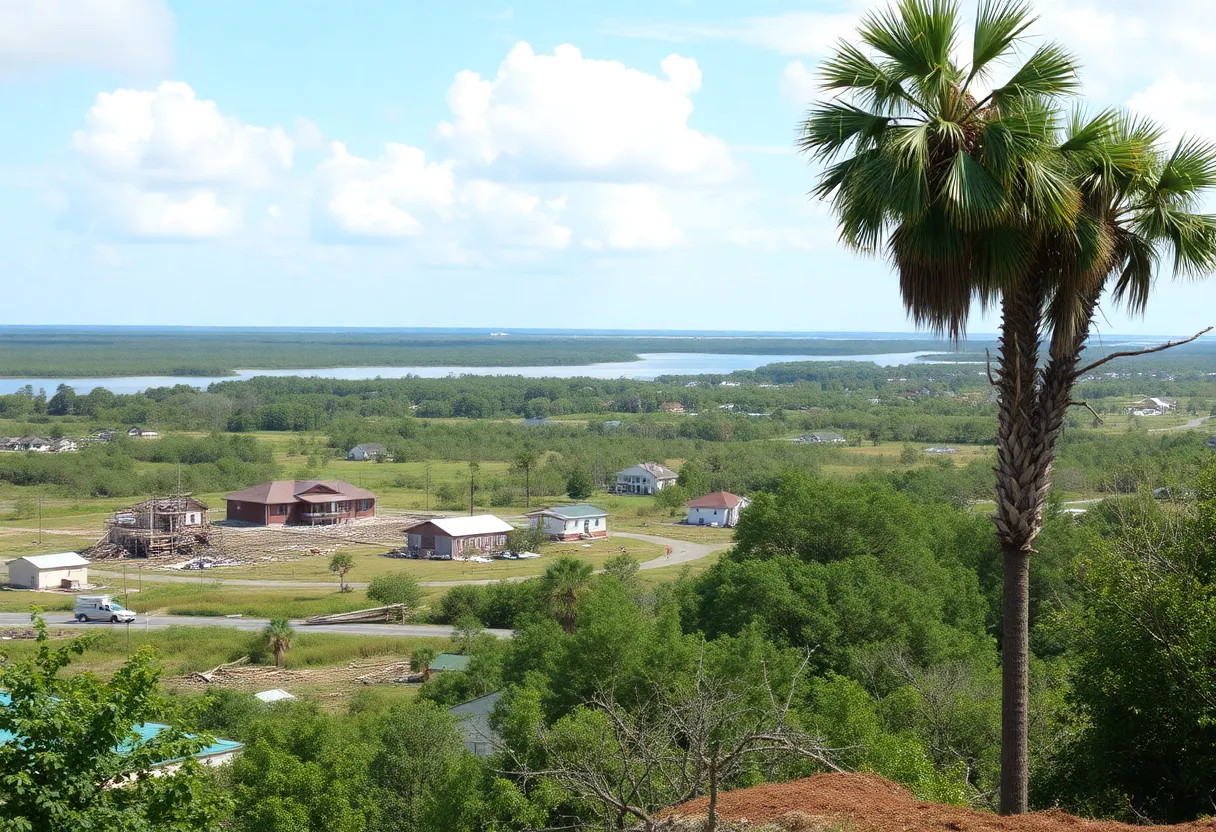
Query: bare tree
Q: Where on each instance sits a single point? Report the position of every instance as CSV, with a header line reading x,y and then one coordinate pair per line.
x,y
681,742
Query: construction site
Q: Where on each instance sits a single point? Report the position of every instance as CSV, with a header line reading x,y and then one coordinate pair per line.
x,y
175,532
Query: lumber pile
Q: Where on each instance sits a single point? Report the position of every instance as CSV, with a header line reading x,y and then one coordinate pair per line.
x,y
209,675
398,673
373,615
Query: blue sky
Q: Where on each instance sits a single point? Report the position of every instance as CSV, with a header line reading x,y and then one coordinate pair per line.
x,y
538,164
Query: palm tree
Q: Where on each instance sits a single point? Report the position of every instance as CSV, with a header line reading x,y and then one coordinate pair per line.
x,y
278,635
992,193
525,460
563,585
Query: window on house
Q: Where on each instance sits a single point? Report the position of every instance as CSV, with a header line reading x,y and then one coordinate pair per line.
x,y
282,509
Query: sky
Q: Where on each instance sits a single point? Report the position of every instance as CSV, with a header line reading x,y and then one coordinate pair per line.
x,y
531,164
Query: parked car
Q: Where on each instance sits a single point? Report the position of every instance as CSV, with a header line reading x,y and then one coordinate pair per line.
x,y
101,608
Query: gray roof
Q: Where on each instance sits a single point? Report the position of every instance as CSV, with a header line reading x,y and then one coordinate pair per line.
x,y
473,722
659,472
374,447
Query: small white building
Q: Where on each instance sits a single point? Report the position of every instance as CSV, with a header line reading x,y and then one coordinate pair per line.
x,y
366,451
136,432
66,570
718,509
273,695
822,437
1151,407
452,537
645,478
570,522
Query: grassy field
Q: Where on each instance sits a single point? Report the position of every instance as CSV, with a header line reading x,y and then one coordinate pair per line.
x,y
319,666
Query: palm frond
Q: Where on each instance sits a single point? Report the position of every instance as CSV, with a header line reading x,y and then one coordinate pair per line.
x,y
1134,282
1050,72
1052,201
918,36
833,127
1190,169
851,70
972,197
997,25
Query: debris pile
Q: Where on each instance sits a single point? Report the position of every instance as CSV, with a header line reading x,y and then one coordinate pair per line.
x,y
375,615
869,803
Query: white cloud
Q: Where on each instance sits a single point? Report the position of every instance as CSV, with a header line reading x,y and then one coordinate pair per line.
x,y
392,196
37,35
780,238
564,117
798,83
165,164
402,195
169,136
629,218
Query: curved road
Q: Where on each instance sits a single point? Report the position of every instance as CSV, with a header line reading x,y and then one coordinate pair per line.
x,y
682,551
1191,424
160,622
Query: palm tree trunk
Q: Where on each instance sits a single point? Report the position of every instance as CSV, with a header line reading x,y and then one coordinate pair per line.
x,y
1018,519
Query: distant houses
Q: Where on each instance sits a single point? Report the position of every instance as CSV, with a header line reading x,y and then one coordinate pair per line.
x,y
136,432
453,537
718,509
367,451
941,450
300,502
671,407
645,478
1151,407
25,443
822,437
570,522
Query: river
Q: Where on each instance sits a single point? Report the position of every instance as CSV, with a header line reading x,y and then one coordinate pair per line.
x,y
651,366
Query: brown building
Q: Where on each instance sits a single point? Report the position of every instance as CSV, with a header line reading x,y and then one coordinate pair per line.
x,y
300,502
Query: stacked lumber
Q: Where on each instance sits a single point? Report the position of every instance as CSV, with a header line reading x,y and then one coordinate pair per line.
x,y
373,615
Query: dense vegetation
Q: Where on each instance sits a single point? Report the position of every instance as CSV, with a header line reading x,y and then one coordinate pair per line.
x,y
47,352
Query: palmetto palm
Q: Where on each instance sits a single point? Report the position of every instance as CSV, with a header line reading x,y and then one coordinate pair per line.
x,y
278,635
992,192
564,584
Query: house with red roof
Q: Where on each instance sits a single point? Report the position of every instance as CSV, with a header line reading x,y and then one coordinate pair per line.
x,y
718,509
300,502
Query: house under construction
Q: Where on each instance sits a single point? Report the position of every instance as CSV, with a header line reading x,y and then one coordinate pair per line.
x,y
160,526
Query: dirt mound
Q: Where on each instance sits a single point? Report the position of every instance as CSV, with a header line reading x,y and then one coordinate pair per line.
x,y
869,803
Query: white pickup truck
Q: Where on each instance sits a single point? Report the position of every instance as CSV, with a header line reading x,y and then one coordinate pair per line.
x,y
101,608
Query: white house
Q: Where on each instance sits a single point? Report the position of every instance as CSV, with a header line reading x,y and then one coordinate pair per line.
x,y
368,450
49,571
141,433
449,537
570,522
718,509
821,437
1151,407
645,478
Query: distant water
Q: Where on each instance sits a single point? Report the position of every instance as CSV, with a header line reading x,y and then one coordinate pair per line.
x,y
651,366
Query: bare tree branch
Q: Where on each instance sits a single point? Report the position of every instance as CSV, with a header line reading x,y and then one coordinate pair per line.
x,y
1131,353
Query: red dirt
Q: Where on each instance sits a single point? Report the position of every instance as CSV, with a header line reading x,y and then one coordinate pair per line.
x,y
869,803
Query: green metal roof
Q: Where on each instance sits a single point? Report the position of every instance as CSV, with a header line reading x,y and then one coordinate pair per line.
x,y
449,661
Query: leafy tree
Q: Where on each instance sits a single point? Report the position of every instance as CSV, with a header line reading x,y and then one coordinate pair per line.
x,y
1002,199
342,563
420,660
1143,672
626,569
526,540
396,588
563,586
578,485
278,636
525,461
78,737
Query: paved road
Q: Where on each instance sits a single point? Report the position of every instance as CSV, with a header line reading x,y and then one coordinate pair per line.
x,y
160,622
1191,424
682,551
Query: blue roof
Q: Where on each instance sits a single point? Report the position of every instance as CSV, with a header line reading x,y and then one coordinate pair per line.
x,y
577,512
145,732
